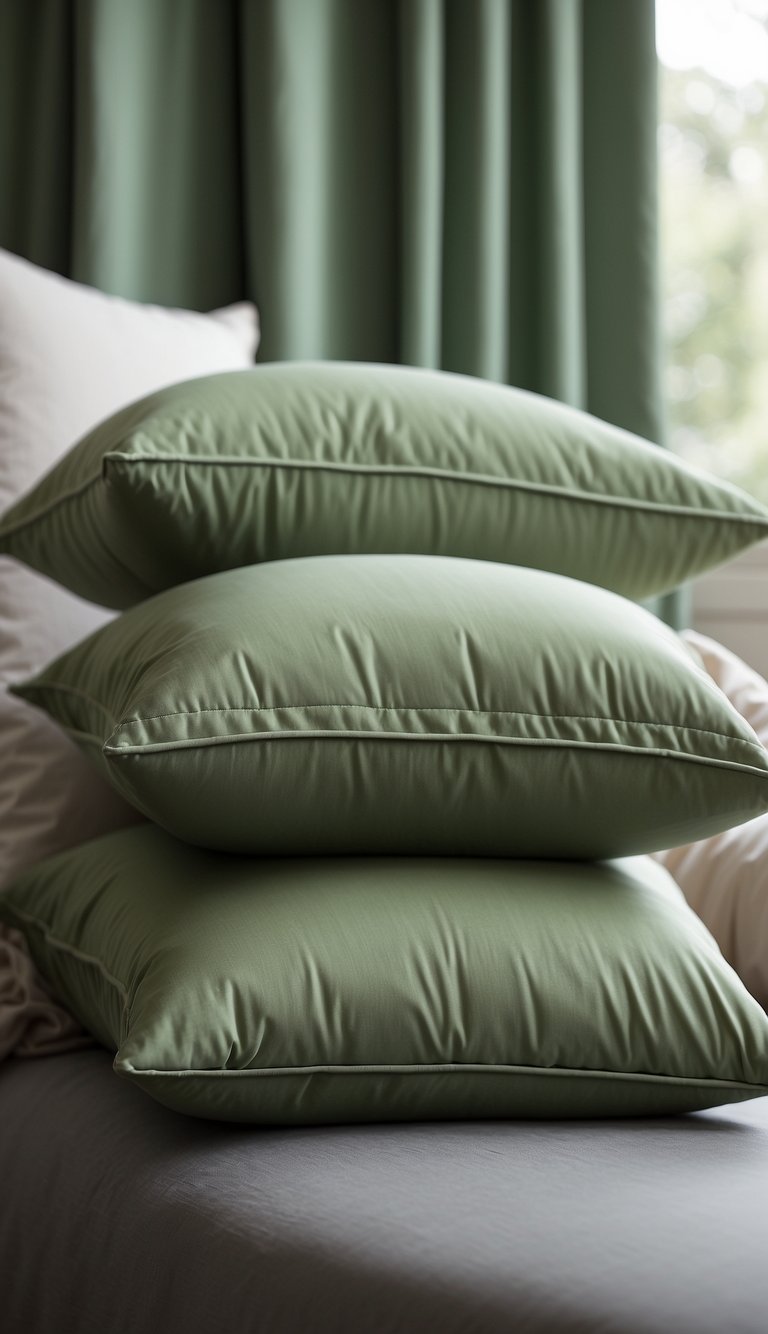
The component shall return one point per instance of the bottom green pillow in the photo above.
(308, 991)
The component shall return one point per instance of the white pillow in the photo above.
(69, 356)
(725, 878)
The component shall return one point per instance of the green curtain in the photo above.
(459, 183)
(466, 184)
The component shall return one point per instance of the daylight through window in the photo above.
(713, 144)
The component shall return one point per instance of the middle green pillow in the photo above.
(407, 705)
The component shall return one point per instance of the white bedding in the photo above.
(725, 878)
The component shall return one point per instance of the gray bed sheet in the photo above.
(119, 1217)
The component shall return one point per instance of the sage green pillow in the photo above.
(407, 704)
(301, 991)
(321, 459)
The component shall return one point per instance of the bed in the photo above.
(121, 1216)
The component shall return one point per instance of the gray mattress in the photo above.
(118, 1217)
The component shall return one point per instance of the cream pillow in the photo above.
(69, 356)
(725, 878)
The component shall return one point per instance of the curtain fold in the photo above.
(320, 155)
(467, 184)
(422, 150)
(620, 232)
(156, 210)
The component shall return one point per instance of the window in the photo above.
(713, 144)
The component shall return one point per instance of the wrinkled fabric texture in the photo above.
(406, 704)
(70, 356)
(299, 991)
(725, 879)
(633, 1227)
(31, 1021)
(310, 459)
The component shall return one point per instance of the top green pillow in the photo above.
(328, 458)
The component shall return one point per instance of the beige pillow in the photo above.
(725, 878)
(69, 356)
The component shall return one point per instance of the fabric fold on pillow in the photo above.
(32, 1023)
(308, 991)
(326, 458)
(71, 356)
(406, 705)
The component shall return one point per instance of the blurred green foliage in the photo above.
(713, 143)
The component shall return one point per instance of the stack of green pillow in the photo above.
(385, 694)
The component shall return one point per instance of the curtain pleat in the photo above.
(422, 153)
(320, 162)
(156, 209)
(620, 233)
(477, 188)
(560, 365)
(467, 184)
(36, 129)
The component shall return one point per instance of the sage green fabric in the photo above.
(308, 991)
(324, 458)
(407, 704)
(468, 185)
(463, 184)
